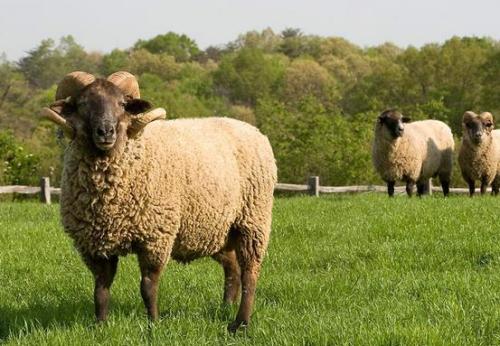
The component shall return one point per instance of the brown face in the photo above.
(477, 128)
(393, 121)
(101, 113)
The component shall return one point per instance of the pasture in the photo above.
(360, 269)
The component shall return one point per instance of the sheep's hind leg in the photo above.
(444, 179)
(250, 249)
(495, 186)
(104, 270)
(232, 274)
(420, 189)
(150, 279)
(409, 188)
(472, 187)
(484, 186)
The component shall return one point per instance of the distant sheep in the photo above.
(412, 152)
(479, 156)
(178, 189)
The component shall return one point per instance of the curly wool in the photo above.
(175, 191)
(480, 161)
(424, 150)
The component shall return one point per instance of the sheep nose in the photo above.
(105, 130)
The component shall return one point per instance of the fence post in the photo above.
(45, 190)
(313, 183)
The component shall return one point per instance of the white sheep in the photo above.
(412, 152)
(479, 155)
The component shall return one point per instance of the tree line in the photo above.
(316, 98)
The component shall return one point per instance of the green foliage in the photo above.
(315, 97)
(309, 141)
(248, 75)
(47, 64)
(180, 46)
(17, 166)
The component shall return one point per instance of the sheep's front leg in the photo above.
(150, 273)
(390, 188)
(104, 270)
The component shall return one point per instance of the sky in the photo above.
(102, 25)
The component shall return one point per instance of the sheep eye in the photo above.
(488, 125)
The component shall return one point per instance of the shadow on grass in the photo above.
(46, 316)
(22, 321)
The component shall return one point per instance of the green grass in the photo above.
(357, 270)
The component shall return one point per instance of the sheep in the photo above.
(180, 189)
(412, 152)
(479, 155)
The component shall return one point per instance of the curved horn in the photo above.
(73, 83)
(469, 115)
(49, 114)
(141, 120)
(486, 115)
(126, 82)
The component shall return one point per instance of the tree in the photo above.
(180, 46)
(47, 64)
(247, 75)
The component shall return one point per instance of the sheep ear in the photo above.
(406, 119)
(64, 107)
(137, 106)
(381, 118)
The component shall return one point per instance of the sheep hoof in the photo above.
(234, 326)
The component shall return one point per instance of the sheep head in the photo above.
(392, 122)
(477, 127)
(101, 112)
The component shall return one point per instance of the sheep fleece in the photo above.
(481, 161)
(174, 191)
(424, 150)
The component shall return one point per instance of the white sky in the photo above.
(101, 25)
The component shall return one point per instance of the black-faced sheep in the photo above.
(178, 189)
(412, 152)
(479, 156)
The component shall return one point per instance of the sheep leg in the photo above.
(420, 189)
(484, 186)
(390, 188)
(444, 179)
(249, 276)
(104, 270)
(232, 274)
(150, 279)
(472, 187)
(409, 187)
(250, 253)
(495, 186)
(445, 185)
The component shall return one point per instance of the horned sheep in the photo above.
(479, 156)
(412, 152)
(180, 189)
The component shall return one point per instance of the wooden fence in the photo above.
(312, 188)
(44, 190)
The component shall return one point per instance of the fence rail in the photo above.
(312, 188)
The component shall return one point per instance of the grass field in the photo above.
(357, 270)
